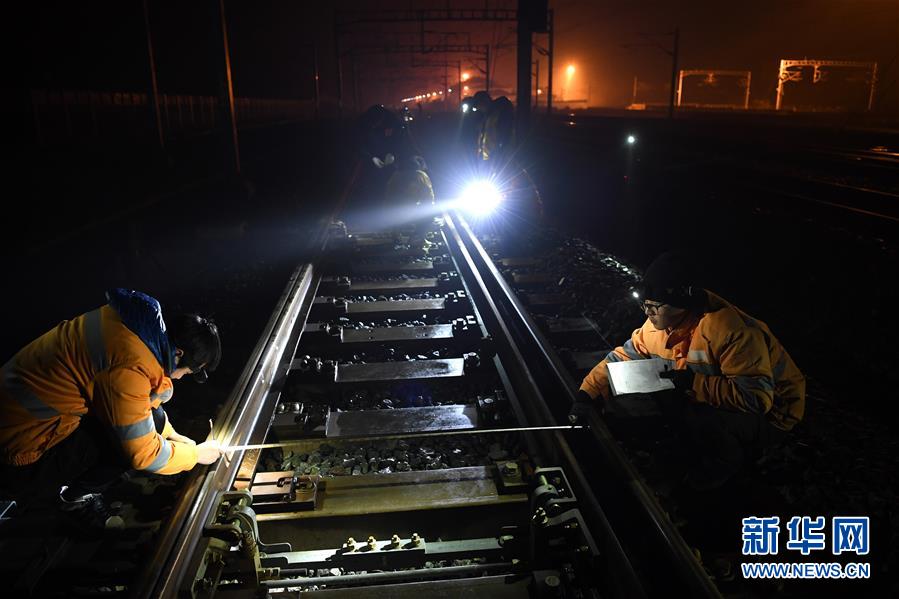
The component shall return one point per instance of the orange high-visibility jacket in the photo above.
(737, 362)
(95, 364)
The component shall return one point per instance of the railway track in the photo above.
(406, 417)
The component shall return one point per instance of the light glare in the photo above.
(480, 198)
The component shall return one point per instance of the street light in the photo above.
(569, 71)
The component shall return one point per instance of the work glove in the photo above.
(581, 408)
(682, 379)
(208, 452)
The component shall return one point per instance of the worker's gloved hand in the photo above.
(208, 452)
(582, 406)
(682, 379)
(179, 438)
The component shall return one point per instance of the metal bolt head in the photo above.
(350, 543)
(416, 540)
(510, 469)
(372, 542)
(395, 541)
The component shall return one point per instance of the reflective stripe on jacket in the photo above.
(737, 361)
(95, 364)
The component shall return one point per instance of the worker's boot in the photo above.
(89, 509)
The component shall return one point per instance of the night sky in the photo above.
(101, 45)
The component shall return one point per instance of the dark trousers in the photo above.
(88, 461)
(722, 442)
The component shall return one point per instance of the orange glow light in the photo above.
(466, 76)
(570, 70)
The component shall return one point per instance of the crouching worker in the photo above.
(410, 196)
(82, 404)
(737, 390)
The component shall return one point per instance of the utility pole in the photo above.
(337, 66)
(487, 71)
(229, 88)
(154, 90)
(549, 75)
(460, 86)
(355, 82)
(674, 53)
(523, 103)
(315, 90)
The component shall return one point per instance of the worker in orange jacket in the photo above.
(82, 403)
(742, 389)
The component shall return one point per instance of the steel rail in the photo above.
(382, 577)
(625, 580)
(182, 533)
(690, 572)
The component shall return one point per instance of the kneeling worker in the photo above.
(82, 403)
(740, 389)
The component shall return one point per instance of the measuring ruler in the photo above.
(477, 431)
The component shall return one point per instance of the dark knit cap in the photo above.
(672, 279)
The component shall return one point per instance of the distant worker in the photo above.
(82, 404)
(497, 137)
(384, 137)
(739, 390)
(496, 160)
(410, 190)
(474, 113)
(410, 184)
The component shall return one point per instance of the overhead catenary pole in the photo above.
(674, 72)
(873, 86)
(748, 86)
(355, 74)
(154, 90)
(229, 88)
(315, 90)
(460, 86)
(487, 71)
(549, 67)
(337, 67)
(523, 91)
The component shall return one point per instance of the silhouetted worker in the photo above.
(474, 113)
(497, 137)
(383, 137)
(737, 390)
(410, 195)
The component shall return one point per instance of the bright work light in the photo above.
(480, 198)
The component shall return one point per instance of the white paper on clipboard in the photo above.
(637, 376)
